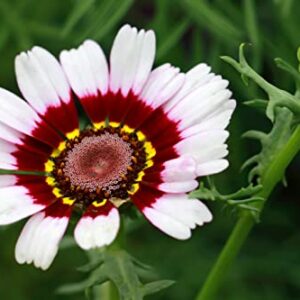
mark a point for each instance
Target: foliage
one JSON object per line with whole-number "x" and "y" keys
{"x": 122, "y": 270}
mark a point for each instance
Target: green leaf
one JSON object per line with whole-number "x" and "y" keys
{"x": 78, "y": 11}
{"x": 123, "y": 270}
{"x": 282, "y": 64}
{"x": 92, "y": 265}
{"x": 120, "y": 269}
{"x": 271, "y": 143}
{"x": 277, "y": 97}
{"x": 241, "y": 200}
{"x": 259, "y": 104}
{"x": 97, "y": 277}
{"x": 204, "y": 193}
{"x": 255, "y": 134}
{"x": 213, "y": 20}
{"x": 156, "y": 286}
{"x": 172, "y": 38}
{"x": 104, "y": 18}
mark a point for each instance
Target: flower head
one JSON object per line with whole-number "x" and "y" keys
{"x": 152, "y": 133}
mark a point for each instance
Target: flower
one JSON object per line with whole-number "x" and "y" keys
{"x": 151, "y": 135}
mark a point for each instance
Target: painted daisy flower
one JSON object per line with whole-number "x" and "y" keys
{"x": 152, "y": 133}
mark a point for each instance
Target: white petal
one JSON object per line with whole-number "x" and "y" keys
{"x": 16, "y": 113}
{"x": 86, "y": 69}
{"x": 204, "y": 111}
{"x": 162, "y": 84}
{"x": 16, "y": 204}
{"x": 6, "y": 157}
{"x": 200, "y": 142}
{"x": 97, "y": 232}
{"x": 191, "y": 212}
{"x": 9, "y": 134}
{"x": 146, "y": 59}
{"x": 131, "y": 59}
{"x": 167, "y": 224}
{"x": 179, "y": 169}
{"x": 214, "y": 122}
{"x": 212, "y": 167}
{"x": 178, "y": 187}
{"x": 39, "y": 240}
{"x": 41, "y": 79}
{"x": 7, "y": 180}
{"x": 211, "y": 154}
{"x": 199, "y": 98}
{"x": 196, "y": 77}
{"x": 176, "y": 215}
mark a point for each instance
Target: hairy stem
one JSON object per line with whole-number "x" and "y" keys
{"x": 270, "y": 178}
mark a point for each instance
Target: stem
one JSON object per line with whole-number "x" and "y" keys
{"x": 106, "y": 291}
{"x": 270, "y": 178}
{"x": 21, "y": 172}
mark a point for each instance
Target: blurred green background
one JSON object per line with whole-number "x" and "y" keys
{"x": 188, "y": 32}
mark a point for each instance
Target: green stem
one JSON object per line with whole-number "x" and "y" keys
{"x": 270, "y": 178}
{"x": 106, "y": 291}
{"x": 21, "y": 172}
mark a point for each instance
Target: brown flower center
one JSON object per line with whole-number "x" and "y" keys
{"x": 99, "y": 164}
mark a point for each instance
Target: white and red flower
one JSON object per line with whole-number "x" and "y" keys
{"x": 152, "y": 134}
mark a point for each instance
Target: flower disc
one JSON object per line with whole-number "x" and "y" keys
{"x": 98, "y": 162}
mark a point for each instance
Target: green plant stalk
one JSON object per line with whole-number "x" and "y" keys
{"x": 273, "y": 175}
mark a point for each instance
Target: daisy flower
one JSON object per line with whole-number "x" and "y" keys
{"x": 152, "y": 133}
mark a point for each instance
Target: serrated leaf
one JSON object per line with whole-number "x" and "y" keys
{"x": 277, "y": 97}
{"x": 271, "y": 143}
{"x": 95, "y": 278}
{"x": 203, "y": 193}
{"x": 123, "y": 270}
{"x": 140, "y": 264}
{"x": 250, "y": 161}
{"x": 156, "y": 286}
{"x": 245, "y": 201}
{"x": 254, "y": 134}
{"x": 92, "y": 265}
{"x": 260, "y": 104}
{"x": 244, "y": 192}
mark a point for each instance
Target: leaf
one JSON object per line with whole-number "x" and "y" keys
{"x": 282, "y": 64}
{"x": 255, "y": 134}
{"x": 243, "y": 199}
{"x": 259, "y": 104}
{"x": 211, "y": 19}
{"x": 92, "y": 265}
{"x": 277, "y": 97}
{"x": 204, "y": 193}
{"x": 95, "y": 278}
{"x": 271, "y": 143}
{"x": 172, "y": 38}
{"x": 156, "y": 286}
{"x": 123, "y": 270}
{"x": 104, "y": 18}
{"x": 78, "y": 11}
{"x": 120, "y": 269}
